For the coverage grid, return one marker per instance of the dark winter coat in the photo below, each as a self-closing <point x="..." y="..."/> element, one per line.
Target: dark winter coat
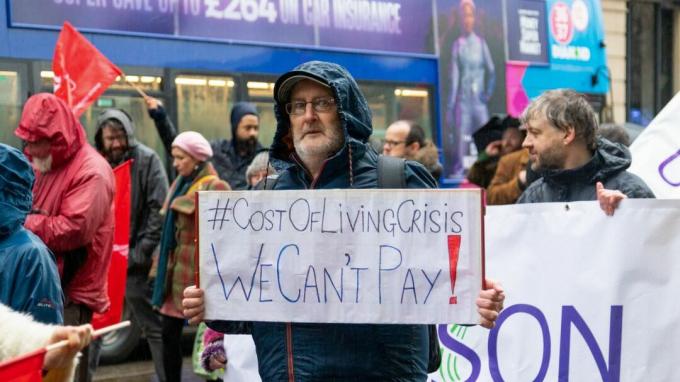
<point x="346" y="352"/>
<point x="608" y="165"/>
<point x="148" y="190"/>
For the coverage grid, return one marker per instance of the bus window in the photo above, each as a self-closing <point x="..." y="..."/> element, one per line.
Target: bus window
<point x="267" y="122"/>
<point x="12" y="79"/>
<point x="121" y="95"/>
<point x="389" y="103"/>
<point x="204" y="103"/>
<point x="261" y="94"/>
<point x="414" y="104"/>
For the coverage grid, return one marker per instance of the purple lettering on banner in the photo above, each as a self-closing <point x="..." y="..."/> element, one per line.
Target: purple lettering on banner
<point x="663" y="165"/>
<point x="460" y="348"/>
<point x="570" y="315"/>
<point x="533" y="311"/>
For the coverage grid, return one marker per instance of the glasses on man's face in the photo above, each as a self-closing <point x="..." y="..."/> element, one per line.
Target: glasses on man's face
<point x="390" y="143"/>
<point x="319" y="105"/>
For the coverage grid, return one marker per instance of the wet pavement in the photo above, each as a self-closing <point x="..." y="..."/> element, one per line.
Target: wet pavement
<point x="139" y="371"/>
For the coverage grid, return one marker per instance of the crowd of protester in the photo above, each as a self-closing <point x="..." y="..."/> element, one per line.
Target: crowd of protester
<point x="57" y="224"/>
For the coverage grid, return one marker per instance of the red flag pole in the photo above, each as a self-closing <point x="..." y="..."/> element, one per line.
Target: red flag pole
<point x="95" y="334"/>
<point x="138" y="89"/>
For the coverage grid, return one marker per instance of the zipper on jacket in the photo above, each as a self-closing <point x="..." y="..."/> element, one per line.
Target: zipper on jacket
<point x="323" y="165"/>
<point x="305" y="171"/>
<point x="289" y="351"/>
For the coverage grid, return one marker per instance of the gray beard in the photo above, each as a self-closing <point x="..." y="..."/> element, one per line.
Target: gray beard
<point x="308" y="152"/>
<point x="43" y="164"/>
<point x="316" y="153"/>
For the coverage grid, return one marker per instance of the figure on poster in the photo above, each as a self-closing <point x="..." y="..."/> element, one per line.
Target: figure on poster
<point x="473" y="80"/>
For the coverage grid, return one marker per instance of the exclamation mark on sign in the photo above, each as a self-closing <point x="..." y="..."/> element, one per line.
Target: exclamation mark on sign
<point x="454" y="248"/>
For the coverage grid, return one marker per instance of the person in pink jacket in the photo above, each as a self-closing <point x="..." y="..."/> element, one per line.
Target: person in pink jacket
<point x="72" y="200"/>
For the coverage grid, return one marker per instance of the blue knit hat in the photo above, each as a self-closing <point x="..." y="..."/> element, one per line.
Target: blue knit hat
<point x="240" y="110"/>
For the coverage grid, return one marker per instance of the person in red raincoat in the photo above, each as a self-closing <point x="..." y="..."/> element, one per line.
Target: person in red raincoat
<point x="72" y="200"/>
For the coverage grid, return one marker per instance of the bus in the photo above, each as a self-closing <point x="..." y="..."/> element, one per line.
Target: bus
<point x="199" y="57"/>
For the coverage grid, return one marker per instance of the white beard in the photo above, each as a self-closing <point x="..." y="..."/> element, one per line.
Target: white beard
<point x="308" y="151"/>
<point x="43" y="164"/>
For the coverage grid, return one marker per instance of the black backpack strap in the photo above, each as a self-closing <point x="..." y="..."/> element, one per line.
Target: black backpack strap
<point x="391" y="172"/>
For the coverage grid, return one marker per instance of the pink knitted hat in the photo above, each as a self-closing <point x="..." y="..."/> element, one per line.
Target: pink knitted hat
<point x="194" y="144"/>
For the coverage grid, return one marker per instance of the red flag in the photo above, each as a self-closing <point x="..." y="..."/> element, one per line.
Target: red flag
<point x="25" y="368"/>
<point x="81" y="72"/>
<point x="119" y="256"/>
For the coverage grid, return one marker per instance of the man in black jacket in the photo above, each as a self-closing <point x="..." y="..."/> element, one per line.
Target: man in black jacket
<point x="321" y="142"/>
<point x="230" y="158"/>
<point x="575" y="164"/>
<point x="115" y="140"/>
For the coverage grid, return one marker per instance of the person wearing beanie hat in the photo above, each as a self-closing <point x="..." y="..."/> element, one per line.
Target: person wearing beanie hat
<point x="230" y="158"/>
<point x="173" y="269"/>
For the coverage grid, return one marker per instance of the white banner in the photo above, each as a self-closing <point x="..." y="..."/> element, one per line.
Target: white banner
<point x="354" y="256"/>
<point x="589" y="297"/>
<point x="656" y="152"/>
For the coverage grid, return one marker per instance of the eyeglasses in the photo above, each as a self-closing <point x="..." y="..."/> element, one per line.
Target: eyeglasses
<point x="393" y="143"/>
<point x="320" y="105"/>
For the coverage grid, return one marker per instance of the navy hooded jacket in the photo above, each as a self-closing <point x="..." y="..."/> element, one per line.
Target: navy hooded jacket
<point x="29" y="281"/>
<point x="337" y="352"/>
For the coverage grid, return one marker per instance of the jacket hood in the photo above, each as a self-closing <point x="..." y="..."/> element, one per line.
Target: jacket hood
<point x="355" y="115"/>
<point x="47" y="117"/>
<point x="608" y="160"/>
<point x="16" y="184"/>
<point x="120" y="116"/>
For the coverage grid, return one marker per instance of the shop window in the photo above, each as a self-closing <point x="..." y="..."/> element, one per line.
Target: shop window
<point x="650" y="60"/>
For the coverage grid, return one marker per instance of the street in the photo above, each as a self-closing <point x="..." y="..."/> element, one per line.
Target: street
<point x="136" y="370"/>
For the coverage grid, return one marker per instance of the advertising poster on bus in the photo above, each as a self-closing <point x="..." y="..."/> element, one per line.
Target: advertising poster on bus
<point x="471" y="67"/>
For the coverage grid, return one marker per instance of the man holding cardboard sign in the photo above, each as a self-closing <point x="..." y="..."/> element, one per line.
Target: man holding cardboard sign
<point x="321" y="143"/>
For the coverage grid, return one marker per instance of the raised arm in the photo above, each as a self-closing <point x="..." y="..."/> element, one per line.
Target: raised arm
<point x="166" y="130"/>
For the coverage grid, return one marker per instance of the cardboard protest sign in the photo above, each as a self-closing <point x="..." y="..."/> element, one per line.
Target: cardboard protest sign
<point x="353" y="256"/>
